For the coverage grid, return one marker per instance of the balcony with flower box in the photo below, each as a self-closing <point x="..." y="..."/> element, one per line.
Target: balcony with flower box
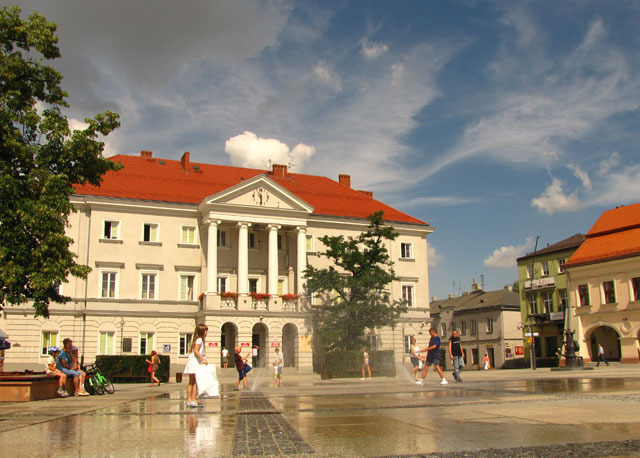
<point x="290" y="302"/>
<point x="259" y="301"/>
<point x="228" y="300"/>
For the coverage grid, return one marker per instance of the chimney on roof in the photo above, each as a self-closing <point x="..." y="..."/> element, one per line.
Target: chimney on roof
<point x="184" y="163"/>
<point x="146" y="154"/>
<point x="279" y="171"/>
<point x="366" y="193"/>
<point x="345" y="180"/>
<point x="475" y="287"/>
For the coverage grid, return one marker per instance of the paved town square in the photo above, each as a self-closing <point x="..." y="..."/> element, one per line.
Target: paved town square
<point x="492" y="413"/>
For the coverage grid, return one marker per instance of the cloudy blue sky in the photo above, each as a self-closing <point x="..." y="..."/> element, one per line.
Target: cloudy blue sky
<point x="495" y="122"/>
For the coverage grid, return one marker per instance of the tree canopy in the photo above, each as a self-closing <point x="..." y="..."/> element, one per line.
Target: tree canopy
<point x="40" y="161"/>
<point x="355" y="289"/>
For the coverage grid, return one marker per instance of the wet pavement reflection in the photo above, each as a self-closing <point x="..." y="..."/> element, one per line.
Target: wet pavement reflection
<point x="306" y="417"/>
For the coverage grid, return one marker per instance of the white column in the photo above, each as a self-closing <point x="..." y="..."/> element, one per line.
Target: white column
<point x="273" y="259"/>
<point x="302" y="259"/>
<point x="212" y="256"/>
<point x="243" y="258"/>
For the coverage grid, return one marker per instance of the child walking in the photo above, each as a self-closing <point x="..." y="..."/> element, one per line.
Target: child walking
<point x="242" y="368"/>
<point x="365" y="363"/>
<point x="433" y="357"/>
<point x="202" y="376"/>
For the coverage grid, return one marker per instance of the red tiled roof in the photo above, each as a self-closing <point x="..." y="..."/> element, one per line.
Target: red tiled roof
<point x="615" y="235"/>
<point x="147" y="179"/>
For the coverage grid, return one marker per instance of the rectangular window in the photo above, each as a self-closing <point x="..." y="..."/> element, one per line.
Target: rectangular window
<point x="530" y="271"/>
<point x="406" y="251"/>
<point x="310" y="244"/>
<point x="547" y="300"/>
<point x="222" y="238"/>
<point x="111" y="230"/>
<point x="531" y="298"/>
<point x="148" y="286"/>
<point x="371" y="342"/>
<point x="474" y="356"/>
<point x="562" y="293"/>
<point x="545" y="268"/>
<point x="635" y="285"/>
<point x="150" y="232"/>
<point x="253" y="285"/>
<point x="407" y="294"/>
<point x="453" y="326"/>
<point x="407" y="345"/>
<point x="474" y="327"/>
<point x="188" y="235"/>
<point x="489" y="325"/>
<point x="443" y="327"/>
<point x="105" y="346"/>
<point x="187" y="283"/>
<point x="463" y="328"/>
<point x="281" y="287"/>
<point x="609" y="291"/>
<point x="185" y="343"/>
<point x="280" y="242"/>
<point x="583" y="294"/>
<point x="222" y="284"/>
<point x="252" y="239"/>
<point x="561" y="263"/>
<point x="49" y="339"/>
<point x="146" y="343"/>
<point x="109" y="281"/>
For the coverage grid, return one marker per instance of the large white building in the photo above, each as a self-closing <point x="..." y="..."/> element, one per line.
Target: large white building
<point x="170" y="242"/>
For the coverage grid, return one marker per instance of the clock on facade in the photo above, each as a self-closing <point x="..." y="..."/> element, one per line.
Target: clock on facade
<point x="261" y="196"/>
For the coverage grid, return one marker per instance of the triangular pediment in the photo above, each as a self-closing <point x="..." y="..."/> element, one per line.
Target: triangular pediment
<point x="260" y="192"/>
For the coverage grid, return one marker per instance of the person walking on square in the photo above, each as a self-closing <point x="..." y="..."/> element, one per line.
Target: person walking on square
<point x="433" y="357"/>
<point x="456" y="353"/>
<point x="202" y="375"/>
<point x="277" y="368"/>
<point x="485" y="361"/>
<point x="241" y="367"/>
<point x="365" y="363"/>
<point x="415" y="359"/>
<point x="225" y="357"/>
<point x="254" y="356"/>
<point x="601" y="358"/>
<point x="153" y="363"/>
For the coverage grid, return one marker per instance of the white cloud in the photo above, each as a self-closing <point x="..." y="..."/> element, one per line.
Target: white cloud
<point x="554" y="199"/>
<point x="323" y="74"/>
<point x="249" y="150"/>
<point x="372" y="50"/>
<point x="434" y="258"/>
<point x="505" y="257"/>
<point x="436" y="201"/>
<point x="581" y="175"/>
<point x="609" y="163"/>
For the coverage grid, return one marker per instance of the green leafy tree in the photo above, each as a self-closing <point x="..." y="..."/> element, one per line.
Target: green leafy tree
<point x="40" y="161"/>
<point x="355" y="289"/>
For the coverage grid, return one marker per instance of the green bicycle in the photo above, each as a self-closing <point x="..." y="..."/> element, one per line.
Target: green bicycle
<point x="95" y="382"/>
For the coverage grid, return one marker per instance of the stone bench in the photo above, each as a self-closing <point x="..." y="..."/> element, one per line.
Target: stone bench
<point x="21" y="386"/>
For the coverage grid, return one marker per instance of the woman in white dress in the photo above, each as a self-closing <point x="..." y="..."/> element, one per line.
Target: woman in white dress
<point x="202" y="375"/>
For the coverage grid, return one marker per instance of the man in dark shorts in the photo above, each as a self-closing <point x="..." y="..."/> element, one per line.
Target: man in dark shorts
<point x="456" y="353"/>
<point x="433" y="357"/>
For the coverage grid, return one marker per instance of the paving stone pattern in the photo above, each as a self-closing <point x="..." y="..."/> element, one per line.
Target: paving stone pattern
<point x="261" y="430"/>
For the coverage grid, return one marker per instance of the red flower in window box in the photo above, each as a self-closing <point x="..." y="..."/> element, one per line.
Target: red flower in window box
<point x="229" y="295"/>
<point x="260" y="296"/>
<point x="200" y="297"/>
<point x="290" y="297"/>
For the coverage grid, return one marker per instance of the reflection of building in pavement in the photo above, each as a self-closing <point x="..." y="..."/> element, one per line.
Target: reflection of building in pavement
<point x="604" y="276"/>
<point x="486" y="321"/>
<point x="173" y="243"/>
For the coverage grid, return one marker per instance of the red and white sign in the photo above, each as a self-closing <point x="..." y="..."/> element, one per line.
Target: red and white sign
<point x="245" y="344"/>
<point x="519" y="350"/>
<point x="214" y="344"/>
<point x="275" y="344"/>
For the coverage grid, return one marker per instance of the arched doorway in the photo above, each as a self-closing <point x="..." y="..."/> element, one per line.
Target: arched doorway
<point x="228" y="339"/>
<point x="289" y="344"/>
<point x="609" y="338"/>
<point x="259" y="335"/>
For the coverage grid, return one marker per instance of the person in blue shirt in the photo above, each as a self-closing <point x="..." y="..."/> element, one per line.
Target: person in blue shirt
<point x="433" y="357"/>
<point x="64" y="362"/>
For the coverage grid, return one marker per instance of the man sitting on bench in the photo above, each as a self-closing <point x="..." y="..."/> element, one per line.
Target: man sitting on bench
<point x="65" y="364"/>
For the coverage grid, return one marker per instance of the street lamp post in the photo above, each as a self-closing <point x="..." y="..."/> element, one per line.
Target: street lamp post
<point x="532" y="315"/>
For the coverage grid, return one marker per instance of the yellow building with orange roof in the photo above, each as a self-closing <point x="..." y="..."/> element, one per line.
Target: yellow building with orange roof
<point x="604" y="279"/>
